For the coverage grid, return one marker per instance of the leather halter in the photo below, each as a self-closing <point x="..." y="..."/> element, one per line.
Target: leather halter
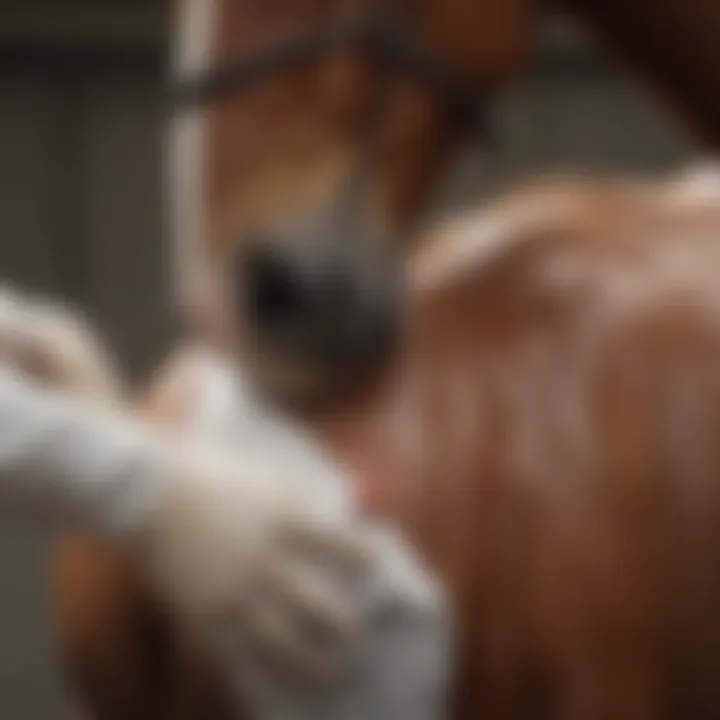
<point x="385" y="40"/>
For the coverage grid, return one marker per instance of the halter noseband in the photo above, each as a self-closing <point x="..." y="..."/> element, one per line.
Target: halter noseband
<point x="385" y="41"/>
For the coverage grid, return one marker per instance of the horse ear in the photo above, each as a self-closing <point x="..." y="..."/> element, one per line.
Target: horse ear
<point x="485" y="40"/>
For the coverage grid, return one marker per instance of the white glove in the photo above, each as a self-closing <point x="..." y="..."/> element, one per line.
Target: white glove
<point x="399" y="666"/>
<point x="259" y="553"/>
<point x="234" y="545"/>
<point x="252" y="566"/>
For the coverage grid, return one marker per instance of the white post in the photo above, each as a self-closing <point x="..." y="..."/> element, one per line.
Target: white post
<point x="195" y="25"/>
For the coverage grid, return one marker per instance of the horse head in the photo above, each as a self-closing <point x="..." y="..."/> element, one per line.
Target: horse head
<point x="310" y="136"/>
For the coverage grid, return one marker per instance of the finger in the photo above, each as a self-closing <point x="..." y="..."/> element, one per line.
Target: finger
<point x="320" y="605"/>
<point x="328" y="541"/>
<point x="273" y="638"/>
<point x="325" y="610"/>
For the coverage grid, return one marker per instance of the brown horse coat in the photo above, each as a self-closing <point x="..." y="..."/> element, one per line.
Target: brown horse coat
<point x="548" y="437"/>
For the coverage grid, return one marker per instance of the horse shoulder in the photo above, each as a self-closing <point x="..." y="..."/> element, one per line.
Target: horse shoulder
<point x="568" y="379"/>
<point x="533" y="317"/>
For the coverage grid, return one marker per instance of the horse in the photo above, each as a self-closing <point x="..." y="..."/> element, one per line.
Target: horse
<point x="520" y="448"/>
<point x="327" y="127"/>
<point x="546" y="437"/>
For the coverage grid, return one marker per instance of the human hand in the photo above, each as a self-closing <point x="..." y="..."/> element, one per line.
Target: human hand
<point x="252" y="567"/>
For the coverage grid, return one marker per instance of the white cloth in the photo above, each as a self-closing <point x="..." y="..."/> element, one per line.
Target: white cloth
<point x="402" y="668"/>
<point x="56" y="454"/>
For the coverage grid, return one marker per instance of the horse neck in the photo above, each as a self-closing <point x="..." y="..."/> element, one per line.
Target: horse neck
<point x="673" y="43"/>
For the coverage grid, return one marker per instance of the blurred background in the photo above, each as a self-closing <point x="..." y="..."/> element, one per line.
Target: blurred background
<point x="81" y="145"/>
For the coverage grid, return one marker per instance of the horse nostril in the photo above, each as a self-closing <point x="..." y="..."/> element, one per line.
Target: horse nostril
<point x="273" y="293"/>
<point x="325" y="313"/>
